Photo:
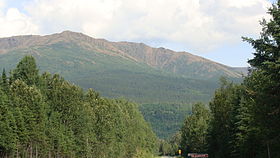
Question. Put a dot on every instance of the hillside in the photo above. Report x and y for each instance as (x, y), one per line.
(120, 69)
(182, 63)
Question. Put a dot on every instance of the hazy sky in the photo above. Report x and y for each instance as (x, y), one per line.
(208, 28)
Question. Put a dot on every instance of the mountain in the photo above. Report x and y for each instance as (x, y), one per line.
(243, 70)
(149, 76)
(181, 63)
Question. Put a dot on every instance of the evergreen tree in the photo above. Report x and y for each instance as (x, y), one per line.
(8, 137)
(194, 130)
(263, 84)
(245, 140)
(26, 71)
(224, 107)
(4, 81)
(30, 101)
(46, 116)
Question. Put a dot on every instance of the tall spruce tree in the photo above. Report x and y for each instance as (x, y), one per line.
(263, 84)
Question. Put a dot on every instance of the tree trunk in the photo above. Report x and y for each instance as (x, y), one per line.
(36, 152)
(26, 152)
(17, 151)
(31, 151)
(87, 151)
(268, 151)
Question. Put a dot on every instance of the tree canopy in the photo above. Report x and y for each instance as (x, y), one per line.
(245, 118)
(43, 115)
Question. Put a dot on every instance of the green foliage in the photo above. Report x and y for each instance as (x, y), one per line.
(117, 77)
(263, 84)
(8, 136)
(246, 117)
(114, 76)
(175, 142)
(194, 130)
(4, 80)
(143, 154)
(166, 119)
(46, 116)
(164, 147)
(223, 124)
(26, 71)
(170, 147)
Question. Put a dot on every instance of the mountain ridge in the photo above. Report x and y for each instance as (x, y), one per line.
(160, 58)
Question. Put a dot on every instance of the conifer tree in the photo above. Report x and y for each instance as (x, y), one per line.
(263, 84)
(26, 71)
(4, 81)
(8, 137)
(194, 130)
(46, 116)
(30, 101)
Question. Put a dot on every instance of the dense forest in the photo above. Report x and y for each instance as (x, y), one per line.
(43, 115)
(166, 119)
(242, 120)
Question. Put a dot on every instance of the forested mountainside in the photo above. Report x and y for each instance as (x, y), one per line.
(135, 71)
(119, 69)
(43, 115)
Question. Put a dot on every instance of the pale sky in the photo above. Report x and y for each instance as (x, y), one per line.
(208, 28)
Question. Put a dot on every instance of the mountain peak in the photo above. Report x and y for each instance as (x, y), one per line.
(67, 36)
(27, 41)
(180, 63)
(68, 33)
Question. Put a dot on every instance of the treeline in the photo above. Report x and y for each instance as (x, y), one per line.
(244, 119)
(45, 116)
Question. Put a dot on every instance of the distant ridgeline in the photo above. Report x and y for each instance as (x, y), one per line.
(46, 116)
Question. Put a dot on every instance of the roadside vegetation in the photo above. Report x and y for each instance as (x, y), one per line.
(243, 120)
(46, 116)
